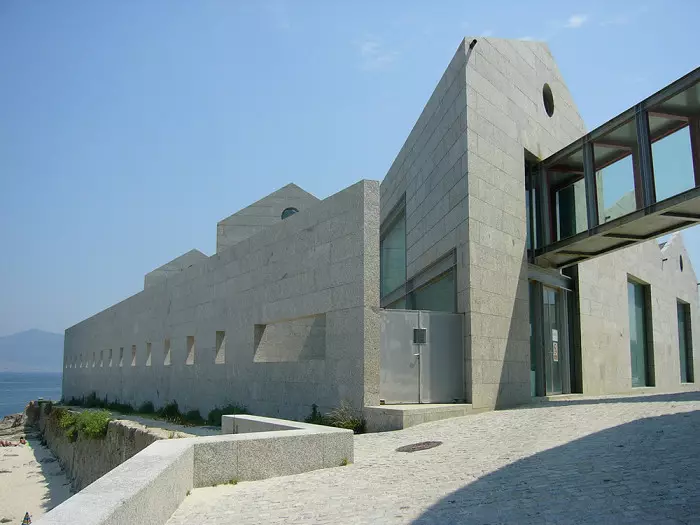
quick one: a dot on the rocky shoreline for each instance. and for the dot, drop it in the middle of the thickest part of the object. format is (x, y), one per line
(31, 479)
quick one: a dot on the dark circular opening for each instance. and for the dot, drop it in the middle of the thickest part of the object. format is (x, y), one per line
(548, 99)
(288, 212)
(415, 447)
(680, 261)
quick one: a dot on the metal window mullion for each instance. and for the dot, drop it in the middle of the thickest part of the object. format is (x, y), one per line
(694, 125)
(646, 165)
(590, 186)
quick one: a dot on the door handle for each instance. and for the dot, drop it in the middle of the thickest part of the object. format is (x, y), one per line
(416, 355)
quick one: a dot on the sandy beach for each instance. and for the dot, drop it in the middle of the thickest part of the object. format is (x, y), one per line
(31, 479)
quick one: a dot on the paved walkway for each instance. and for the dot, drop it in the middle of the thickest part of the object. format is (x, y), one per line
(627, 460)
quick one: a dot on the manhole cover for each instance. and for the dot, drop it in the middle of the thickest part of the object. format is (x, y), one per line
(415, 447)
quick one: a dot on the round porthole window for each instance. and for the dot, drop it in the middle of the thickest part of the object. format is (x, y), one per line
(288, 212)
(548, 99)
(680, 262)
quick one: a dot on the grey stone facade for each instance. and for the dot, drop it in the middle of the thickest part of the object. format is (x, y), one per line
(312, 277)
(286, 313)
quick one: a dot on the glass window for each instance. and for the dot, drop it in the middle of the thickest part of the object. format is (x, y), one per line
(288, 212)
(673, 164)
(571, 210)
(639, 345)
(616, 194)
(393, 256)
(684, 343)
(438, 295)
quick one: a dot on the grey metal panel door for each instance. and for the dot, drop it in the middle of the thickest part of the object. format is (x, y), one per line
(399, 364)
(432, 372)
(442, 360)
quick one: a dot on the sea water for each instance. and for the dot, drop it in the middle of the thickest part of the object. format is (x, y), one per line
(18, 389)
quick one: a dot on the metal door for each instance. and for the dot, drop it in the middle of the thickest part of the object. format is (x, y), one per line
(399, 361)
(412, 371)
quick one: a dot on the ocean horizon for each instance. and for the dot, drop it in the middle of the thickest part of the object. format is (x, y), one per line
(17, 389)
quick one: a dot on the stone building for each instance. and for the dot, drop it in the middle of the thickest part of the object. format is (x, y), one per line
(506, 254)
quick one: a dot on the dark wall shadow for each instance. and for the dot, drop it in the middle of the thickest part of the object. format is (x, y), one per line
(646, 471)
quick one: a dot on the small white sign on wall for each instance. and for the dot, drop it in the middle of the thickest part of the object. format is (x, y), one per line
(555, 335)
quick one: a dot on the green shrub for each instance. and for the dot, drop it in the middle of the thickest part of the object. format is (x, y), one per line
(92, 424)
(193, 417)
(214, 417)
(316, 418)
(67, 421)
(171, 412)
(48, 407)
(146, 408)
(345, 416)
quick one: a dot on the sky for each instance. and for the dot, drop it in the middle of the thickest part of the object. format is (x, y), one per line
(128, 129)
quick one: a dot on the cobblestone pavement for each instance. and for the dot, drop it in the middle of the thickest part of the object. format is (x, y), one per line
(606, 461)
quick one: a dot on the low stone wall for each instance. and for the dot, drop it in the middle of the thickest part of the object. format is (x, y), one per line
(149, 487)
(86, 460)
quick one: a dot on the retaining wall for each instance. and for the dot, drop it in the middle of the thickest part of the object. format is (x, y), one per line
(86, 460)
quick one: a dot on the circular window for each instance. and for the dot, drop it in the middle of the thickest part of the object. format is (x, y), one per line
(288, 212)
(680, 261)
(548, 99)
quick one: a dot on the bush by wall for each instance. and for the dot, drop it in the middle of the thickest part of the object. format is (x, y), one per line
(344, 416)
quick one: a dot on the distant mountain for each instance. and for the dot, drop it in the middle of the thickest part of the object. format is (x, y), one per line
(31, 351)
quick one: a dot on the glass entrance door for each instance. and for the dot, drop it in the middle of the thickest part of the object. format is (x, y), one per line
(552, 338)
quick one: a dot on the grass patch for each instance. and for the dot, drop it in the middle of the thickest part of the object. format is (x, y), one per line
(214, 417)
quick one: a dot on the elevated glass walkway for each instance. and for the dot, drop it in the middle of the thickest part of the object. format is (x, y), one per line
(634, 178)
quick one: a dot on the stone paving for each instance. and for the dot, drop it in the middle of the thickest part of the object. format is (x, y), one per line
(615, 461)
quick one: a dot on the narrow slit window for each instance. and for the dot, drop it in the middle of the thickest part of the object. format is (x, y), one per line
(166, 352)
(148, 354)
(133, 355)
(121, 356)
(190, 350)
(94, 359)
(110, 357)
(220, 358)
(102, 356)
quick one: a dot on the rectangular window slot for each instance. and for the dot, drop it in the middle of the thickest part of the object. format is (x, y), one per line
(190, 350)
(102, 358)
(685, 343)
(641, 341)
(121, 356)
(166, 352)
(220, 357)
(148, 354)
(133, 355)
(94, 359)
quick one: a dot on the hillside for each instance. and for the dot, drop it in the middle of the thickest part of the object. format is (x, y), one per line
(31, 351)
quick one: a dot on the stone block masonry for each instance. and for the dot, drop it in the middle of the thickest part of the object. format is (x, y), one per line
(310, 280)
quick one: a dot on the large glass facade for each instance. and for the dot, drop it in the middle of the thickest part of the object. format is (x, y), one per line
(393, 256)
(570, 210)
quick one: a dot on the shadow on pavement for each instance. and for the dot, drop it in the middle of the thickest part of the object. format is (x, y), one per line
(646, 471)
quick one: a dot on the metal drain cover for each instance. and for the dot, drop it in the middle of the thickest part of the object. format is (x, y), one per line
(415, 447)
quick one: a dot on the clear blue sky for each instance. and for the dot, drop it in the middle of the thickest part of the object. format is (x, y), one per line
(128, 129)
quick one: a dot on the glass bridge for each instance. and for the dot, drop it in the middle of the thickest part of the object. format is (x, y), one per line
(636, 177)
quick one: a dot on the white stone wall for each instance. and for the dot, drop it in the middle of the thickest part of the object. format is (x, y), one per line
(604, 312)
(261, 215)
(321, 261)
(462, 172)
(173, 267)
(505, 117)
